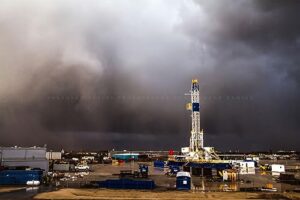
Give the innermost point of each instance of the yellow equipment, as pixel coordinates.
(188, 106)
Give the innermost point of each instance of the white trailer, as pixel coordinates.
(276, 169)
(53, 155)
(246, 167)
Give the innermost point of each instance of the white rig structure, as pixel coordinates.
(197, 151)
(196, 140)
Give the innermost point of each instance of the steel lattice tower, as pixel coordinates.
(196, 140)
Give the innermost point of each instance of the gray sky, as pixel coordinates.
(113, 74)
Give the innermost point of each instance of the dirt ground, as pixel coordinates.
(107, 171)
(201, 188)
(165, 195)
(10, 189)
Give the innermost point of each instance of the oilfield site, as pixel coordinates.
(143, 175)
(193, 172)
(149, 99)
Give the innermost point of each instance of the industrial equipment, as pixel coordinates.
(173, 170)
(197, 151)
(20, 177)
(141, 173)
(143, 170)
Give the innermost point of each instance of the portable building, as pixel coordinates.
(183, 181)
(246, 167)
(53, 155)
(276, 169)
(33, 157)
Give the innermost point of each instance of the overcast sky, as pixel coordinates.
(78, 74)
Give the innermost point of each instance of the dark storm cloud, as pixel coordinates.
(113, 74)
(256, 44)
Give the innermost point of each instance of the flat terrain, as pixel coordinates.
(10, 189)
(108, 171)
(201, 188)
(166, 195)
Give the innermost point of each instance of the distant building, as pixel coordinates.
(90, 158)
(126, 156)
(33, 157)
(51, 155)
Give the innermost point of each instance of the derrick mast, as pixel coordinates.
(196, 140)
(196, 151)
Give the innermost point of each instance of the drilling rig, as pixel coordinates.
(197, 151)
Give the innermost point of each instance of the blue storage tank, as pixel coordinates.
(19, 177)
(183, 181)
(126, 184)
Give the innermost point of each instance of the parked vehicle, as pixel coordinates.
(33, 183)
(82, 168)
